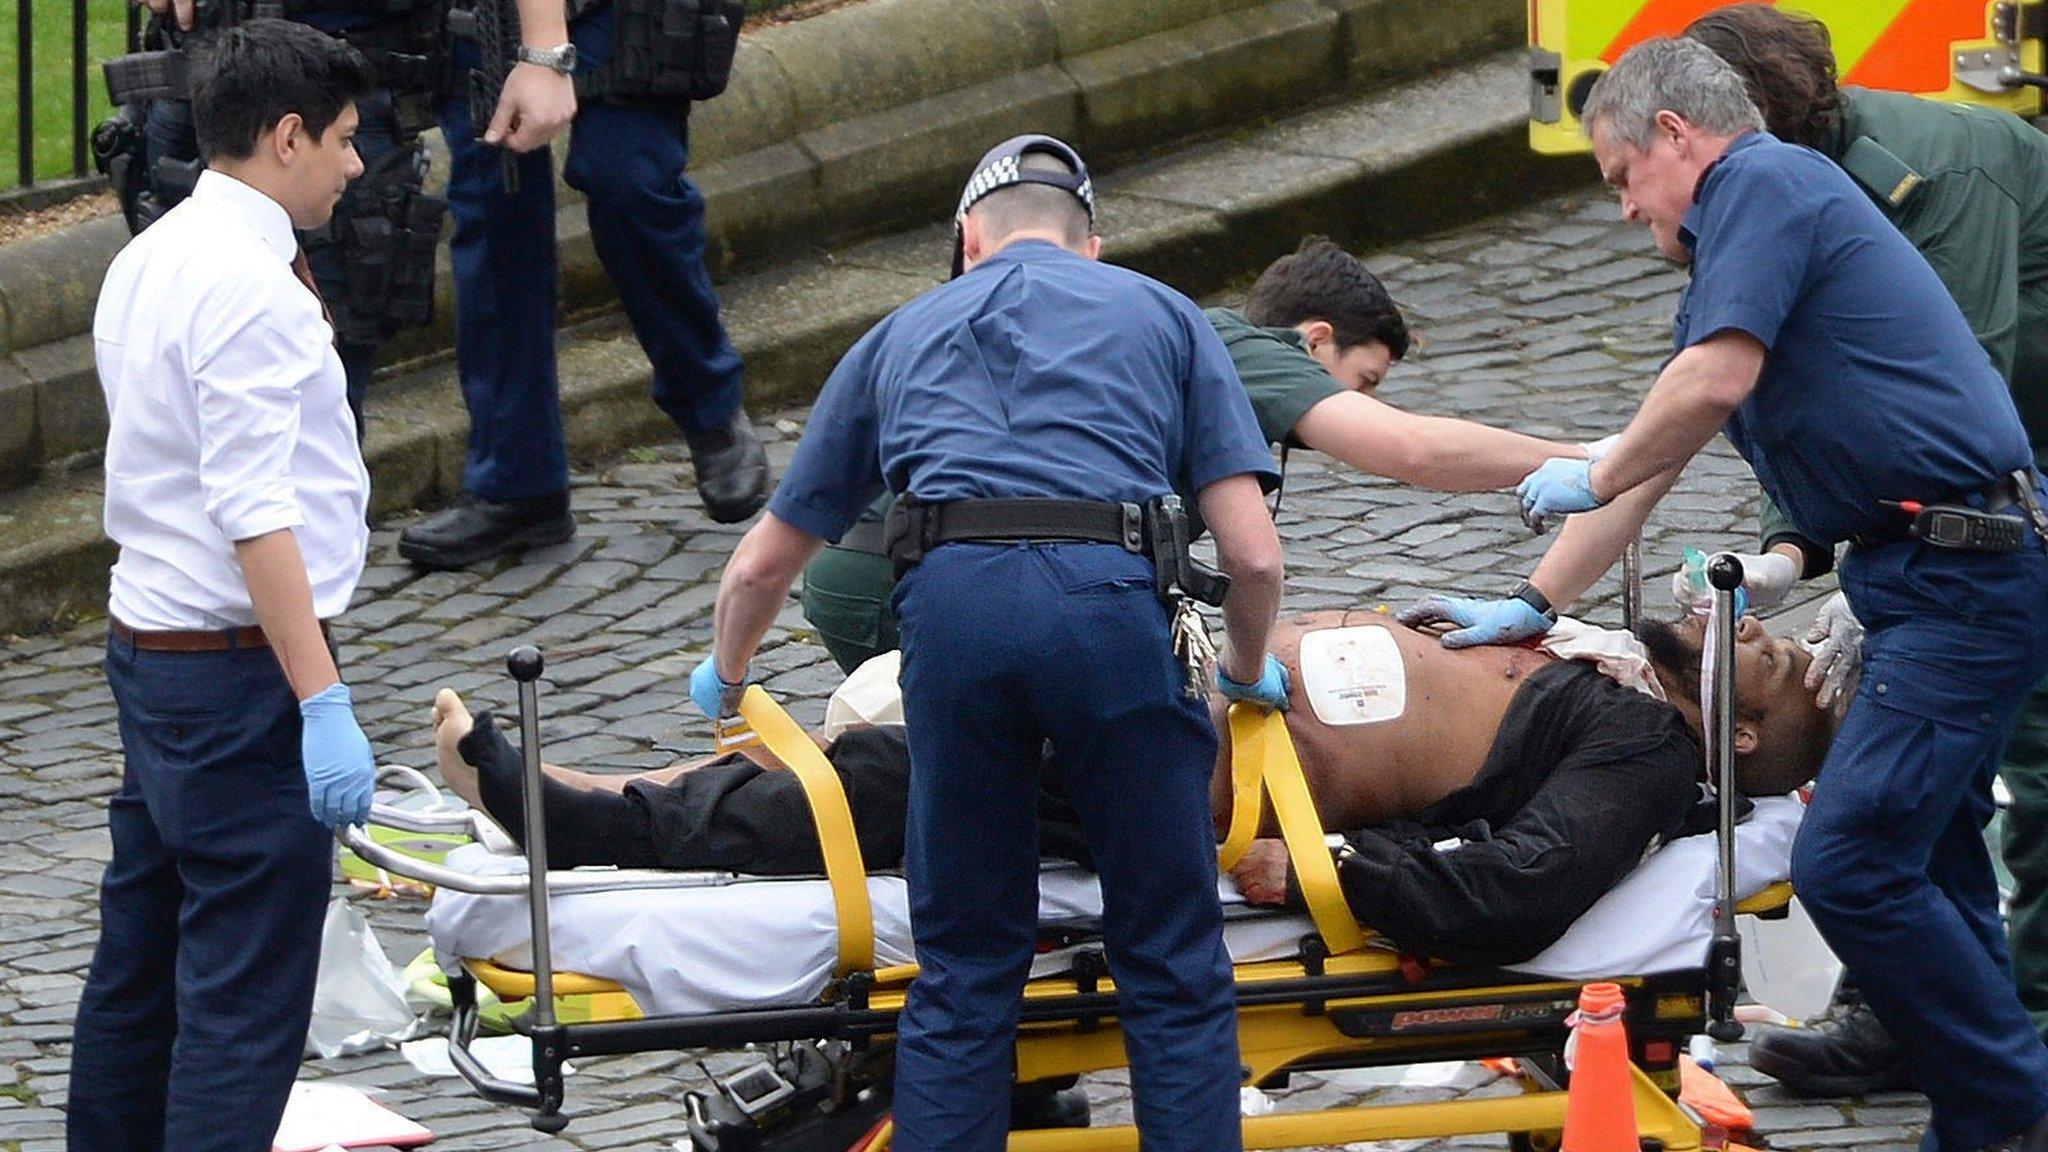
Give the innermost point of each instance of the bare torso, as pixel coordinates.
(1367, 773)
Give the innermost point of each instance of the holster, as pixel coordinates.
(1166, 529)
(667, 52)
(120, 153)
(386, 229)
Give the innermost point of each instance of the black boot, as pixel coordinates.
(1843, 1052)
(473, 529)
(732, 470)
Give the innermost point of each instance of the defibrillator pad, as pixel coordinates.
(1354, 675)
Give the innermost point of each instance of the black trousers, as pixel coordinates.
(730, 815)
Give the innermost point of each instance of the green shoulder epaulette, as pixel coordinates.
(1887, 177)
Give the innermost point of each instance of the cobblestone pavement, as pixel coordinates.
(1551, 320)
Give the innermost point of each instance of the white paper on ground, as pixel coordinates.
(508, 1058)
(320, 1116)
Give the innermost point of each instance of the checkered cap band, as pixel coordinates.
(1007, 169)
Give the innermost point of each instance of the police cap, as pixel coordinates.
(1003, 166)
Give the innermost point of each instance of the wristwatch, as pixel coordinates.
(1528, 594)
(562, 60)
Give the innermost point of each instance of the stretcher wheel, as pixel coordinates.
(551, 1123)
(1534, 1141)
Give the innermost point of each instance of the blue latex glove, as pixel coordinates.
(340, 772)
(710, 692)
(1507, 621)
(1269, 692)
(1556, 489)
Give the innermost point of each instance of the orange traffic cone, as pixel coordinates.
(1600, 1112)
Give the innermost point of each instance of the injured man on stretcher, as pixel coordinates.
(1489, 796)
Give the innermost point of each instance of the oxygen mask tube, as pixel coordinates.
(1696, 580)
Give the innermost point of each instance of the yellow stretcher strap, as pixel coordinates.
(844, 869)
(1260, 736)
(1246, 790)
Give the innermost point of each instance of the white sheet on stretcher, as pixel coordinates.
(764, 943)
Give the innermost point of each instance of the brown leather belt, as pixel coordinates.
(221, 640)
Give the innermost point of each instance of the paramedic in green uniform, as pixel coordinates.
(1317, 335)
(1969, 187)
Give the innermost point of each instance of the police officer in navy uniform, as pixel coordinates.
(1969, 187)
(1840, 368)
(1025, 411)
(627, 156)
(235, 492)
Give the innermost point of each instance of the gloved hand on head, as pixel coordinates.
(1838, 654)
(1767, 578)
(1510, 620)
(1270, 691)
(341, 774)
(715, 696)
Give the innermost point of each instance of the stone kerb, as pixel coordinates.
(854, 123)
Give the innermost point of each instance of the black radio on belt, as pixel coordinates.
(1962, 527)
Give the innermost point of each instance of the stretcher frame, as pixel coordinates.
(1341, 1003)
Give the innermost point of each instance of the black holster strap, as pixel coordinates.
(143, 76)
(914, 529)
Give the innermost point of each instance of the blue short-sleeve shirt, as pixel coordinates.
(1873, 387)
(1041, 373)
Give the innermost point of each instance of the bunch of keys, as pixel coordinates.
(1192, 646)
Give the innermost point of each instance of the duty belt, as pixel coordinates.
(1157, 529)
(1968, 522)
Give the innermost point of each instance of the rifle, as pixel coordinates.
(493, 25)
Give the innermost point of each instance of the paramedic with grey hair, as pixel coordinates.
(1826, 348)
(1022, 413)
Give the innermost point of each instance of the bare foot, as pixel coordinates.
(452, 722)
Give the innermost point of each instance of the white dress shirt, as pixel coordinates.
(228, 415)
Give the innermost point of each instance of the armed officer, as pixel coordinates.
(1027, 414)
(374, 260)
(626, 70)
(1846, 376)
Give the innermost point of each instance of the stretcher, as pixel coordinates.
(1327, 996)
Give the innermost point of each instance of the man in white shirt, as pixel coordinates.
(236, 494)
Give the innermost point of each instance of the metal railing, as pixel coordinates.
(81, 68)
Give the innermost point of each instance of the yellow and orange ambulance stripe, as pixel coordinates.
(1905, 45)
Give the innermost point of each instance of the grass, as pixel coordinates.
(106, 36)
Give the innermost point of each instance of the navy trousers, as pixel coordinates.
(647, 224)
(1006, 647)
(1891, 860)
(194, 1014)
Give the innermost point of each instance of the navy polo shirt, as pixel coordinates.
(1873, 387)
(1040, 373)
